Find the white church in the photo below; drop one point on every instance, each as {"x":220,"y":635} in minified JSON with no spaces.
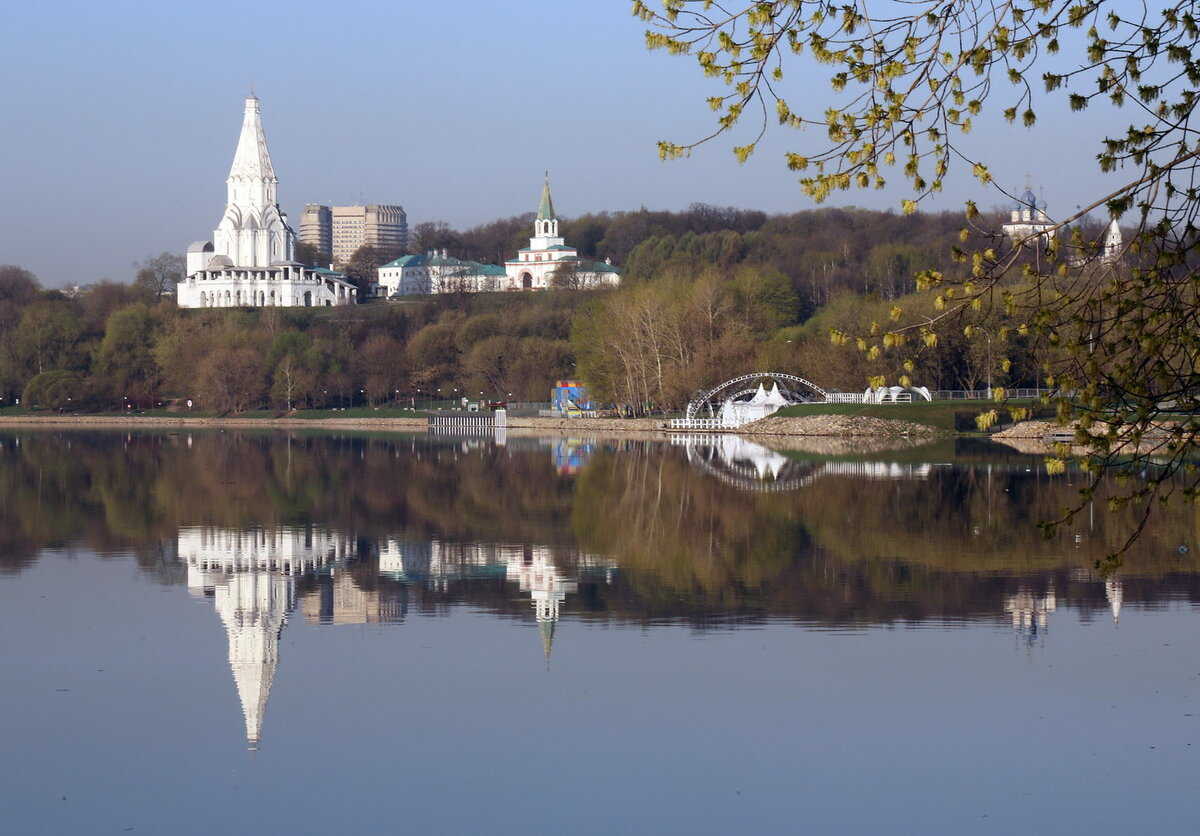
{"x":1028,"y":224}
{"x":251,"y":260}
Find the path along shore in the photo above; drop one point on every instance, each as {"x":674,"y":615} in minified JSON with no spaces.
{"x":814,"y":425}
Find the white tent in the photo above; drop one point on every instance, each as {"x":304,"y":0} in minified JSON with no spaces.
{"x":764,"y":403}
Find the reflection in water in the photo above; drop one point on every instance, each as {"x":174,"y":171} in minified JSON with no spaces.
{"x":750,"y":466}
{"x":1112,"y":590}
{"x":1030,"y":612}
{"x":437,"y":564}
{"x":452,"y":551}
{"x":251,"y":576}
{"x":572,"y":454}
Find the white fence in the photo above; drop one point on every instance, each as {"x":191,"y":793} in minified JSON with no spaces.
{"x":698,"y":424}
{"x":950,"y":395}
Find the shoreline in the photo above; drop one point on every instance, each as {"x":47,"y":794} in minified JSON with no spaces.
{"x":818,"y":426}
{"x":815,"y":425}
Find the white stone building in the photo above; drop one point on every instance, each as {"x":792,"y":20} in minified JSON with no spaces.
{"x":1028,"y":224}
{"x":1027,"y":221}
{"x":536,"y":267}
{"x":250,"y":261}
{"x":434,"y":272}
{"x":548,"y":257}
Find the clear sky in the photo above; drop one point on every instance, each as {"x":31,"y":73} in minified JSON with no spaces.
{"x":118,"y":121}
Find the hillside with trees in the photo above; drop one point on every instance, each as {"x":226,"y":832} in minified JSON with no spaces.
{"x":707,"y":293}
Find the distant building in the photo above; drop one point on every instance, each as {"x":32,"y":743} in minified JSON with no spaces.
{"x":548,"y":258}
{"x":1027,"y":221}
{"x":544,"y":262}
{"x":434,"y":272}
{"x":341,"y":230}
{"x":1114,"y":244}
{"x":251,"y":260}
{"x":316,"y":228}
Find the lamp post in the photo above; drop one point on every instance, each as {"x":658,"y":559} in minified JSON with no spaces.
{"x":987,"y":334}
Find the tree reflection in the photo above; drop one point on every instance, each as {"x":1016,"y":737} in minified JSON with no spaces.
{"x":852,"y":542}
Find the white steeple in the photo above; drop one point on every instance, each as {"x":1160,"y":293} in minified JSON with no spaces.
{"x":545,"y":226}
{"x":253,"y":232}
{"x":254,"y":607}
{"x":1114,"y":244}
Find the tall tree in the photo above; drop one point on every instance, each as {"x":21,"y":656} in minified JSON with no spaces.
{"x":126,"y":355}
{"x":157,"y":275}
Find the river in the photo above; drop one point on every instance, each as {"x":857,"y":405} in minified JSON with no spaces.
{"x":304,"y":632}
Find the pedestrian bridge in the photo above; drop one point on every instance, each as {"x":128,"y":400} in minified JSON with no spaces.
{"x":744,"y":399}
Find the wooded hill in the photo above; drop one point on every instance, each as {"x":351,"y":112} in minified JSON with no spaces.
{"x":706,"y":294}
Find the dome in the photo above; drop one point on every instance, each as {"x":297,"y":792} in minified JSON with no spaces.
{"x":1029,"y":199}
{"x":220,"y":262}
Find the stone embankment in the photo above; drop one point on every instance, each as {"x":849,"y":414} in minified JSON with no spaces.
{"x":159,"y":421}
{"x":837,"y":425}
{"x":1036,"y":429}
{"x":814,"y":425}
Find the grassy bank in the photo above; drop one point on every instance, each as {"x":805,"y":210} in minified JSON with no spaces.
{"x":946,"y":416}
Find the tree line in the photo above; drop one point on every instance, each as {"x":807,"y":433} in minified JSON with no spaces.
{"x":706,"y":294}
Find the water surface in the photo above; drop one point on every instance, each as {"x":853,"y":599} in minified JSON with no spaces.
{"x":280,"y":632}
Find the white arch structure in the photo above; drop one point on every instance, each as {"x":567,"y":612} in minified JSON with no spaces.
{"x":732,"y":388}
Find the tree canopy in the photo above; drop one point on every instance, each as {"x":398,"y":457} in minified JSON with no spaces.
{"x":1119,"y":337}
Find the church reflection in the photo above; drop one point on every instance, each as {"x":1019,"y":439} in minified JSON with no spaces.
{"x":256,"y":578}
{"x":251,"y":577}
{"x":1030,"y":611}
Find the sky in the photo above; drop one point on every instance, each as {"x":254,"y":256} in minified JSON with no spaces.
{"x":118,"y":122}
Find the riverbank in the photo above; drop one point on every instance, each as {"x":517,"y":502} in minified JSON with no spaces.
{"x":812,"y":425}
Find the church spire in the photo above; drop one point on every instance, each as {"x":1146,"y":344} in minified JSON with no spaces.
{"x":252,"y":160}
{"x":545,"y":226}
{"x":546,"y":207}
{"x":254,"y":231}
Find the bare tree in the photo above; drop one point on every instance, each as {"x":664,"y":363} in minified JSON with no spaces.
{"x":158,"y":275}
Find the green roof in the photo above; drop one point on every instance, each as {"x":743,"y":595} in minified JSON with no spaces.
{"x":546,"y":209}
{"x":406,"y":261}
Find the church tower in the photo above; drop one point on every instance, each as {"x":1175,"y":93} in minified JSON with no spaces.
{"x":253,"y":232}
{"x":545,"y":227}
{"x":1114,"y":244}
{"x":1028,"y":223}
